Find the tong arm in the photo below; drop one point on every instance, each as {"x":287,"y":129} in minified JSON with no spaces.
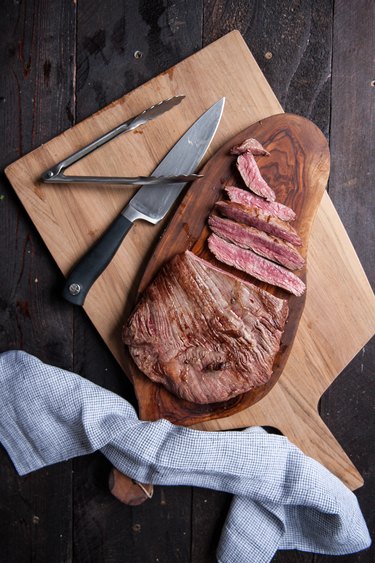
{"x":154,"y":111}
{"x":60,"y":178}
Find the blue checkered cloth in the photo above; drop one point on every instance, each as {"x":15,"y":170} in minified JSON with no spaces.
{"x":282,"y":499}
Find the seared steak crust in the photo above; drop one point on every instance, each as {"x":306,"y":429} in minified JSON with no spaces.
{"x":206,"y":335}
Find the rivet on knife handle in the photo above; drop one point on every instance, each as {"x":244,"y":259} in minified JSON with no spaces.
{"x":95,"y":261}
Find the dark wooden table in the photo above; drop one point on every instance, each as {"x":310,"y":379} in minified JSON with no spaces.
{"x":61,"y":61}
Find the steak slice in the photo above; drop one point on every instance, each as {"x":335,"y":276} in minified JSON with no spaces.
{"x":272,"y":207}
{"x":205,"y":335}
{"x":266,"y":245}
{"x":256,"y":266}
{"x":254,"y":217}
{"x":250,"y":145}
{"x":252,"y":177}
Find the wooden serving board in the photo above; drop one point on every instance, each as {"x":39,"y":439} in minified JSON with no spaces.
{"x":339,"y":313}
{"x":297,"y":169}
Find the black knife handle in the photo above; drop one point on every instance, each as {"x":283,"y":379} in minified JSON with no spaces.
{"x":95,"y":261}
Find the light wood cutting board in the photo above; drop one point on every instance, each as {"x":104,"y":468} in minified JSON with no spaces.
{"x":339,"y":314}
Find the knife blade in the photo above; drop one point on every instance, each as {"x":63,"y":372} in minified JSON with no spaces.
{"x":149,"y":203}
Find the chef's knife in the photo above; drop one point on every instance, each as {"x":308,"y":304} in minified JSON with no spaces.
{"x":149,"y":203}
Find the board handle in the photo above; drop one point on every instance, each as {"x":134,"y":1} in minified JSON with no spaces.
{"x":127,"y":490}
{"x":95,"y":261}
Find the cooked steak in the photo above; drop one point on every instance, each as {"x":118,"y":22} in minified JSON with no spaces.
{"x":262,"y":243}
{"x":252,"y":177}
{"x":206,"y":335}
{"x":250,"y":215}
{"x":250,"y":145}
{"x":272,"y":207}
{"x":256,"y":266}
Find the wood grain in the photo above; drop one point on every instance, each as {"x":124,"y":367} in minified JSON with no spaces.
{"x":35,"y":510}
{"x":292,"y":44}
{"x":140,"y":39}
{"x":347,"y":407}
{"x":107,"y":40}
{"x":79,"y":214}
{"x":303,"y":38}
{"x":298,"y":170}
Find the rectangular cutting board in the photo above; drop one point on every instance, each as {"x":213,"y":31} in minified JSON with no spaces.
{"x":69,"y":218}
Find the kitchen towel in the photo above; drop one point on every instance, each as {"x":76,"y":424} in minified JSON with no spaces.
{"x":282,"y":499}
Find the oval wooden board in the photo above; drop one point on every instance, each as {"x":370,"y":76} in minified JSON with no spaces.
{"x":297,"y":170}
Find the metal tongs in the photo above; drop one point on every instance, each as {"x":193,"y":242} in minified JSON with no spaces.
{"x":56,"y":173}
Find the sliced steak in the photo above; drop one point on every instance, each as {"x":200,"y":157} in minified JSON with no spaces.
{"x":252,"y":177}
{"x":266,"y":245}
{"x":250,"y":145}
{"x":272,"y":207}
{"x":204,"y":334}
{"x":254,"y":217}
{"x":256,"y":266}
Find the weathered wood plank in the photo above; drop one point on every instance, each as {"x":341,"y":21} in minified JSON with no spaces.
{"x":348,"y":406}
{"x":35,"y":514}
{"x":291,"y":41}
{"x":353,"y":126}
{"x":119,"y":49}
{"x":36,"y":102}
{"x":122,"y":47}
{"x":208,"y":516}
{"x":285,"y":39}
{"x":36,"y":61}
{"x":107,"y":530}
